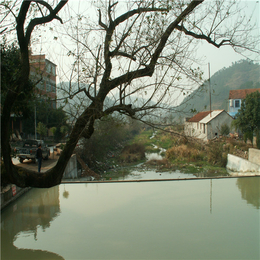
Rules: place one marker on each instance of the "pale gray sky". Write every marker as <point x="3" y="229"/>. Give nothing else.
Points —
<point x="218" y="58"/>
<point x="224" y="56"/>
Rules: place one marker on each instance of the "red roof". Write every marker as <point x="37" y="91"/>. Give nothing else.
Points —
<point x="241" y="93"/>
<point x="199" y="116"/>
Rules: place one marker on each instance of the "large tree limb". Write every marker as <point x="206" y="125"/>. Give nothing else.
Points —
<point x="126" y="108"/>
<point x="45" y="19"/>
<point x="18" y="176"/>
<point x="109" y="33"/>
<point x="149" y="69"/>
<point x="170" y="29"/>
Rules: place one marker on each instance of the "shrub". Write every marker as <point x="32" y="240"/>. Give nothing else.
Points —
<point x="133" y="153"/>
<point x="108" y="139"/>
<point x="216" y="154"/>
<point x="224" y="129"/>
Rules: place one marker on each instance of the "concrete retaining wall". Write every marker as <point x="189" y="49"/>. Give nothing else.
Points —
<point x="237" y="164"/>
<point x="10" y="193"/>
<point x="71" y="171"/>
<point x="254" y="155"/>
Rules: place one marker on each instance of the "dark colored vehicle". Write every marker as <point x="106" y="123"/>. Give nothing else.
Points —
<point x="28" y="151"/>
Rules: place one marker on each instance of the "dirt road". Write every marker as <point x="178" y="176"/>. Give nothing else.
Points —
<point x="46" y="164"/>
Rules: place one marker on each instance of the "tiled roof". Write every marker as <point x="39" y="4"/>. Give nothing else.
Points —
<point x="241" y="93"/>
<point x="205" y="116"/>
<point x="211" y="116"/>
<point x="199" y="116"/>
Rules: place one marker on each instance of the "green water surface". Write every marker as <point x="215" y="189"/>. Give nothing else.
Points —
<point x="184" y="219"/>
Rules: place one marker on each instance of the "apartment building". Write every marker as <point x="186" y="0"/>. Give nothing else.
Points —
<point x="43" y="74"/>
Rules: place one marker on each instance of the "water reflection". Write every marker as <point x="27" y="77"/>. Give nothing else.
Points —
<point x="65" y="193"/>
<point x="145" y="174"/>
<point x="195" y="219"/>
<point x="250" y="190"/>
<point x="35" y="209"/>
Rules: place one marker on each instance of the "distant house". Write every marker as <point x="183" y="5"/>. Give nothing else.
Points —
<point x="207" y="125"/>
<point x="235" y="99"/>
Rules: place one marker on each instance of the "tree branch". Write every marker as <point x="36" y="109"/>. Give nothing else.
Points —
<point x="170" y="29"/>
<point x="116" y="51"/>
<point x="127" y="108"/>
<point x="109" y="10"/>
<point x="140" y="10"/>
<point x="123" y="54"/>
<point x="149" y="69"/>
<point x="46" y="19"/>
<point x="100" y="21"/>
<point x="108" y="38"/>
<point x="201" y="36"/>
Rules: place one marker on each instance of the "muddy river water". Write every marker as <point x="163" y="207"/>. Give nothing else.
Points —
<point x="181" y="219"/>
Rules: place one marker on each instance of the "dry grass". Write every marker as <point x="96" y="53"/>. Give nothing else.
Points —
<point x="163" y="162"/>
<point x="183" y="152"/>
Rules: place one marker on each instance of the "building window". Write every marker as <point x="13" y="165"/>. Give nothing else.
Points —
<point x="48" y="68"/>
<point x="40" y="85"/>
<point x="48" y="87"/>
<point x="53" y="70"/>
<point x="237" y="103"/>
<point x="53" y="88"/>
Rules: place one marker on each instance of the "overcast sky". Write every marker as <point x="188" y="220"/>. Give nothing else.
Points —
<point x="218" y="58"/>
<point x="224" y="56"/>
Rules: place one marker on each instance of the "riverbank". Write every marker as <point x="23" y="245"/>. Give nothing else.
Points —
<point x="12" y="192"/>
<point x="165" y="151"/>
<point x="158" y="155"/>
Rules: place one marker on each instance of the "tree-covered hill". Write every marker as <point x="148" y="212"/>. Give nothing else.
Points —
<point x="241" y="75"/>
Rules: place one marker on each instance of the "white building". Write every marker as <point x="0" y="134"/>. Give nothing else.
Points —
<point x="207" y="125"/>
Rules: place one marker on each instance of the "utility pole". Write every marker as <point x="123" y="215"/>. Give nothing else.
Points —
<point x="35" y="124"/>
<point x="209" y="91"/>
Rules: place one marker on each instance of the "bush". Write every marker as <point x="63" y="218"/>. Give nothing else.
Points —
<point x="258" y="139"/>
<point x="111" y="133"/>
<point x="133" y="153"/>
<point x="224" y="129"/>
<point x="216" y="154"/>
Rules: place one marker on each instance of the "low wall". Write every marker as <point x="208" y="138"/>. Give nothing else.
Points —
<point x="237" y="164"/>
<point x="10" y="193"/>
<point x="71" y="171"/>
<point x="254" y="155"/>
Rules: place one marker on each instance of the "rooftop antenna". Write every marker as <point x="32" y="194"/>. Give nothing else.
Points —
<point x="209" y="91"/>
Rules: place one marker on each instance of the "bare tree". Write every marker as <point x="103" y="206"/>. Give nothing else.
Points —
<point x="142" y="50"/>
<point x="24" y="31"/>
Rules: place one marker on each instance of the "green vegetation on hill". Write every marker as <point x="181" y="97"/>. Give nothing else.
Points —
<point x="241" y="75"/>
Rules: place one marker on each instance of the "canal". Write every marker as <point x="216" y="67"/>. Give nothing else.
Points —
<point x="181" y="219"/>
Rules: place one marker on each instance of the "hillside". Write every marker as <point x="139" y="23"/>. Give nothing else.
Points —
<point x="241" y="75"/>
